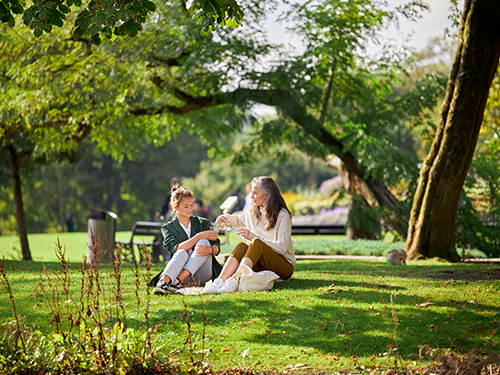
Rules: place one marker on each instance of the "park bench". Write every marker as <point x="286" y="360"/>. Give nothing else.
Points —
<point x="141" y="228"/>
<point x="153" y="228"/>
<point x="325" y="229"/>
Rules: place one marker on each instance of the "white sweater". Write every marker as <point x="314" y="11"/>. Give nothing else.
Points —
<point x="279" y="238"/>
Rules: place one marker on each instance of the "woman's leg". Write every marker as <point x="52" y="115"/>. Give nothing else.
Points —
<point x="233" y="262"/>
<point x="174" y="266"/>
<point x="261" y="256"/>
<point x="198" y="269"/>
<point x="171" y="272"/>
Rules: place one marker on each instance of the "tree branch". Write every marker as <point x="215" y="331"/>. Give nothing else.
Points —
<point x="174" y="61"/>
<point x="292" y="108"/>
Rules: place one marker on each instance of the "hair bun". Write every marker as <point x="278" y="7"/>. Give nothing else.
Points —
<point x="175" y="188"/>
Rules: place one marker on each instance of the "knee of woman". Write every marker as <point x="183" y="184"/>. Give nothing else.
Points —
<point x="179" y="255"/>
<point x="256" y="240"/>
<point x="203" y="241"/>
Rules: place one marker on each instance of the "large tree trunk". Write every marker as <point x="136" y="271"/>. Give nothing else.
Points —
<point x="364" y="224"/>
<point x="18" y="200"/>
<point x="431" y="231"/>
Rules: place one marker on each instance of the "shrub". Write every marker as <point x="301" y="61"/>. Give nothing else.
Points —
<point x="478" y="214"/>
<point x="90" y="329"/>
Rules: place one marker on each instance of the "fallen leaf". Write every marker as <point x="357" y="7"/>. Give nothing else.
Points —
<point x="204" y="351"/>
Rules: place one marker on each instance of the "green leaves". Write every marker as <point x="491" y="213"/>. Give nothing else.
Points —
<point x="110" y="17"/>
<point x="8" y="9"/>
<point x="125" y="18"/>
<point x="225" y="13"/>
<point x="42" y="15"/>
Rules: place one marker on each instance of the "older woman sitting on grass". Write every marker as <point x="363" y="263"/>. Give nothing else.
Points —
<point x="267" y="226"/>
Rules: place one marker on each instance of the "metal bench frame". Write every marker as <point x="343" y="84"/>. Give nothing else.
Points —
<point x="145" y="228"/>
<point x="304" y="230"/>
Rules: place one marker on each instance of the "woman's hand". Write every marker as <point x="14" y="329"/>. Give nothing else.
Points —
<point x="243" y="233"/>
<point x="223" y="219"/>
<point x="203" y="250"/>
<point x="210" y="235"/>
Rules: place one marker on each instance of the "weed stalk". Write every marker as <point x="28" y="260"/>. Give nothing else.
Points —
<point x="11" y="298"/>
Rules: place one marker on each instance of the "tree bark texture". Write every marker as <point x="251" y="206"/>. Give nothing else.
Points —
<point x="356" y="228"/>
<point x="15" y="161"/>
<point x="431" y="231"/>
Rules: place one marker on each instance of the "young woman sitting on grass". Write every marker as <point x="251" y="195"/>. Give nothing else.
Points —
<point x="192" y="244"/>
<point x="267" y="226"/>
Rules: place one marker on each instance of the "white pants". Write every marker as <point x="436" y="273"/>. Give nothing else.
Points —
<point x="200" y="267"/>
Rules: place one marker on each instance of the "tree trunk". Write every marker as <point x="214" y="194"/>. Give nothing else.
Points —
<point x="18" y="200"/>
<point x="431" y="231"/>
<point x="363" y="223"/>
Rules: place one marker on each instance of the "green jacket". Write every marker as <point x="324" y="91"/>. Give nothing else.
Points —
<point x="174" y="234"/>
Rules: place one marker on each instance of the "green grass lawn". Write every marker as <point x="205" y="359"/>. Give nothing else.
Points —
<point x="42" y="245"/>
<point x="331" y="315"/>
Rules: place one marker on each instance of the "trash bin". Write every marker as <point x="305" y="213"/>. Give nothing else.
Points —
<point x="102" y="232"/>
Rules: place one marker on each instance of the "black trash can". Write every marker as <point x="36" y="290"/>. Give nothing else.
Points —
<point x="102" y="233"/>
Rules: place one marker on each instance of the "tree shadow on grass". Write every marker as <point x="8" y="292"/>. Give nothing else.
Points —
<point x="336" y="325"/>
<point x="350" y="308"/>
<point x="341" y="307"/>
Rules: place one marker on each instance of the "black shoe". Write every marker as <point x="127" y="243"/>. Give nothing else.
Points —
<point x="174" y="286"/>
<point x="161" y="288"/>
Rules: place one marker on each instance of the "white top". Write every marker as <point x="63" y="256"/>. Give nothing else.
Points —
<point x="279" y="238"/>
<point x="186" y="229"/>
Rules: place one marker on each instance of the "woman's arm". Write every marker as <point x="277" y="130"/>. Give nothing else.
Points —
<point x="214" y="248"/>
<point x="207" y="234"/>
<point x="233" y="219"/>
<point x="171" y="243"/>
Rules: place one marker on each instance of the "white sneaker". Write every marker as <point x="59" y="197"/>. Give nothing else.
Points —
<point x="230" y="285"/>
<point x="214" y="286"/>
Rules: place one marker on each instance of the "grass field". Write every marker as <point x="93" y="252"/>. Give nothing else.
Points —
<point x="331" y="315"/>
<point x="42" y="245"/>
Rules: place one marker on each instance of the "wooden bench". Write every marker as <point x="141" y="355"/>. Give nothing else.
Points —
<point x="141" y="228"/>
<point x="304" y="230"/>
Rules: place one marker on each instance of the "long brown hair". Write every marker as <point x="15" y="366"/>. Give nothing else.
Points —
<point x="178" y="194"/>
<point x="273" y="204"/>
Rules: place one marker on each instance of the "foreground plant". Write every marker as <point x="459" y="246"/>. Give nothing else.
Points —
<point x="90" y="332"/>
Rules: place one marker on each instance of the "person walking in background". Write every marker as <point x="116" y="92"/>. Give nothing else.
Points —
<point x="70" y="222"/>
<point x="248" y="197"/>
<point x="192" y="244"/>
<point x="199" y="210"/>
<point x="267" y="226"/>
<point x="165" y="210"/>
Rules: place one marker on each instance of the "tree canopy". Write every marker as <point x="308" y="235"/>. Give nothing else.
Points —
<point x="108" y="18"/>
<point x="331" y="97"/>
